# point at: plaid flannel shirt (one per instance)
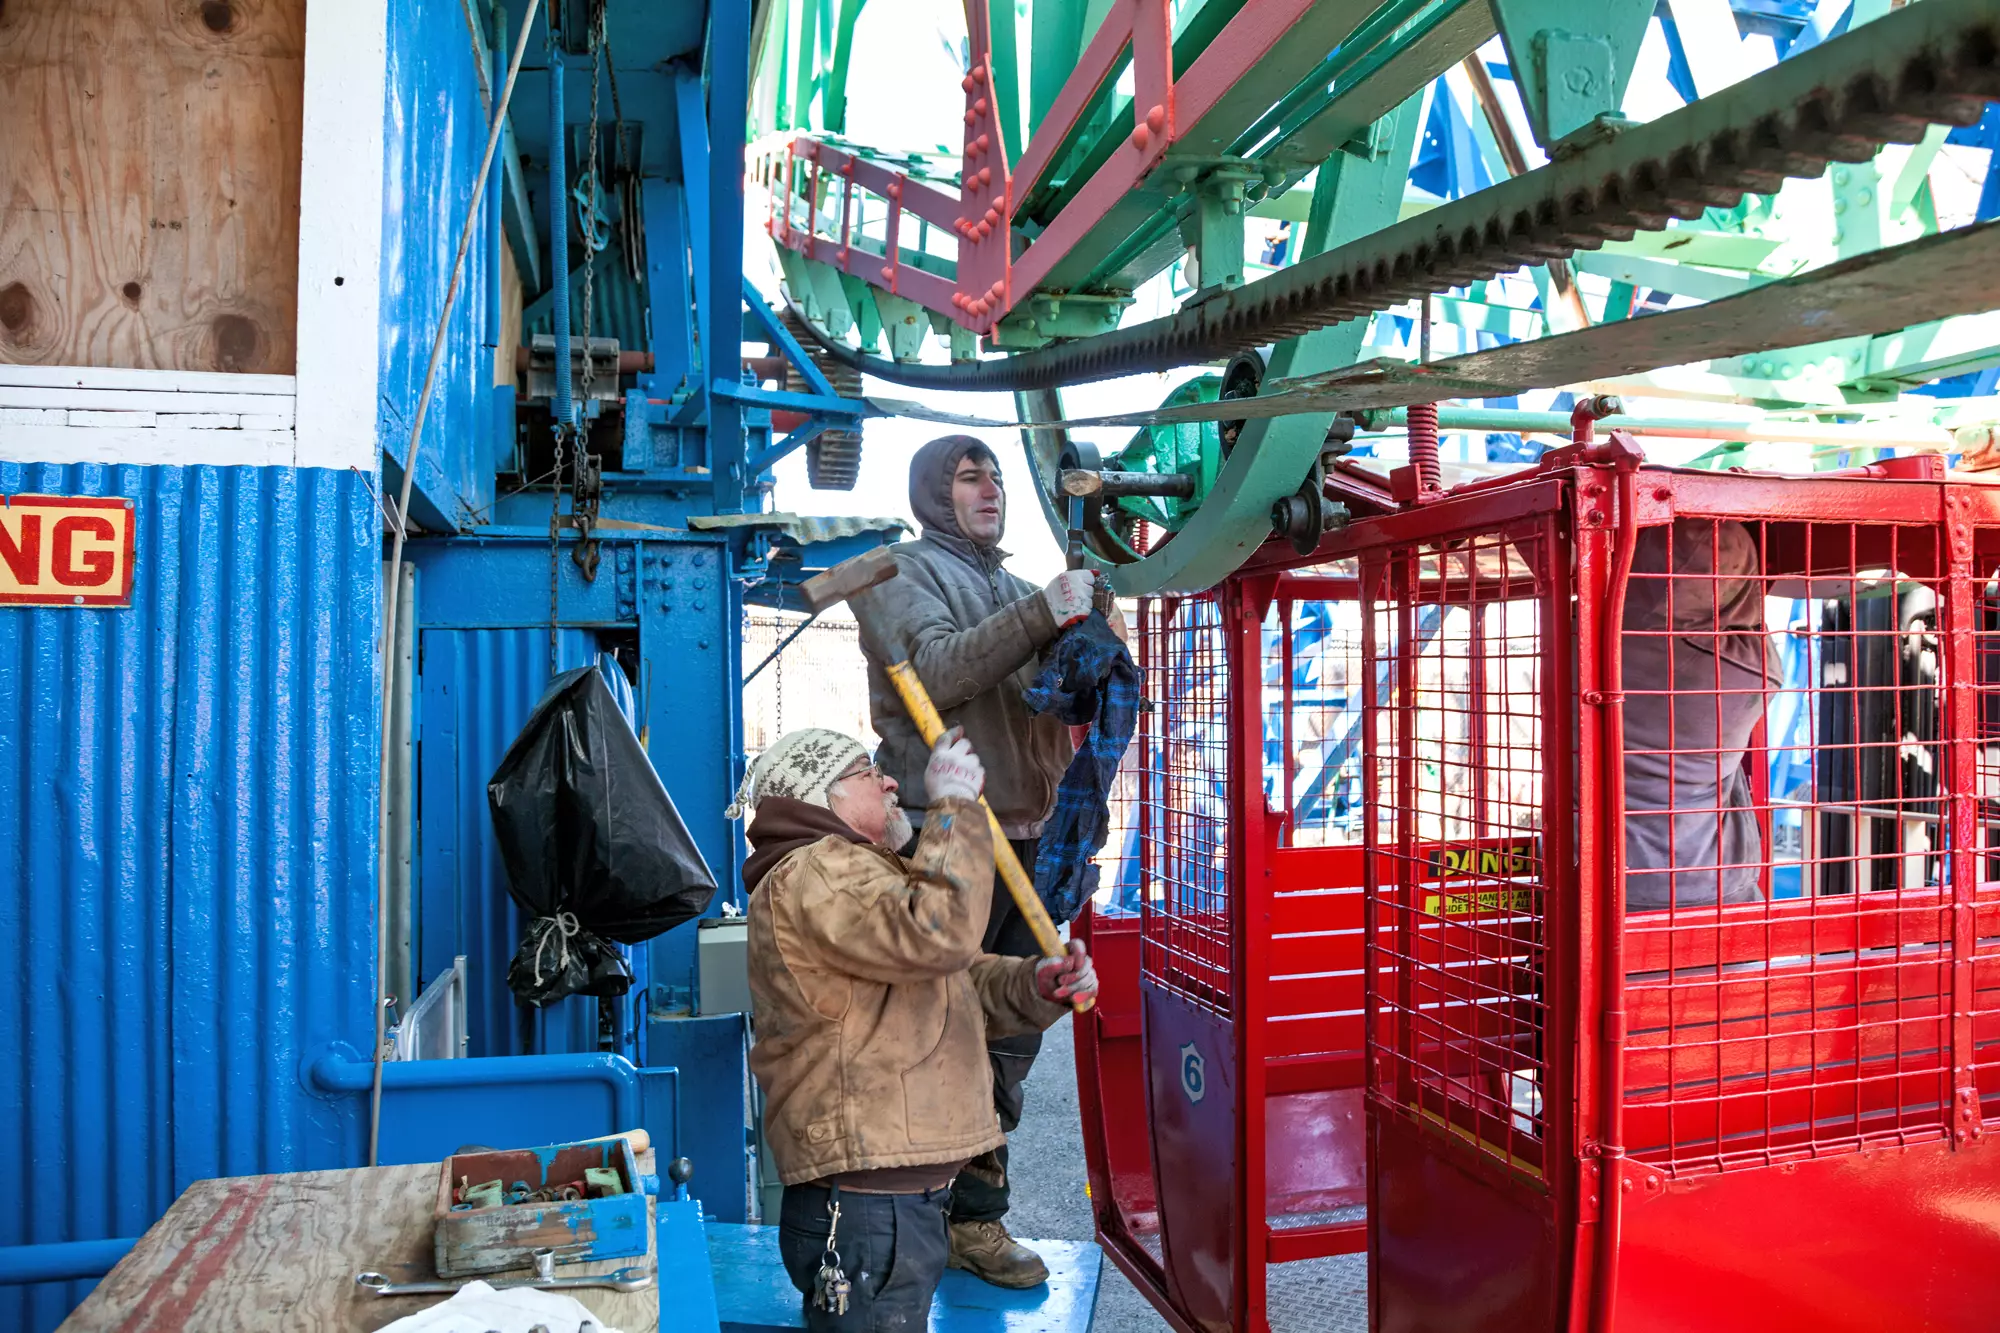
(1088, 677)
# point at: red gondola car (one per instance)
(1651, 977)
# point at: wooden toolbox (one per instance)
(489, 1239)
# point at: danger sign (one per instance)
(65, 550)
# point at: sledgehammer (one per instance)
(842, 583)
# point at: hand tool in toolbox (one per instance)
(574, 1202)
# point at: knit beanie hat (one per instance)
(801, 765)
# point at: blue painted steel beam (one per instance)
(722, 319)
(792, 443)
(754, 395)
(495, 583)
(693, 125)
(558, 188)
(516, 216)
(782, 339)
(690, 618)
(661, 206)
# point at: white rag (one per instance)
(477, 1308)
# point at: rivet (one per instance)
(1156, 119)
(1141, 137)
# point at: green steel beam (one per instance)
(843, 55)
(1003, 29)
(1055, 45)
(1379, 55)
(1571, 61)
(1139, 237)
(1688, 245)
(1444, 33)
(1356, 193)
(1680, 279)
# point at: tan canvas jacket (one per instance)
(873, 1002)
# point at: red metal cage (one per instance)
(1595, 874)
(1229, 1028)
(1694, 1031)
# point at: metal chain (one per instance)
(589, 224)
(555, 543)
(589, 220)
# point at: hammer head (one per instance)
(849, 577)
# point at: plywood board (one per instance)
(278, 1254)
(149, 183)
(510, 317)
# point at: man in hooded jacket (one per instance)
(873, 1003)
(974, 633)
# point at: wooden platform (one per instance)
(278, 1254)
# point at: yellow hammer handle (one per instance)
(917, 703)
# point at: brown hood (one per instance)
(782, 826)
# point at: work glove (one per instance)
(1069, 594)
(1062, 980)
(954, 770)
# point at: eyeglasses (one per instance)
(871, 771)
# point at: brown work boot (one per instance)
(985, 1250)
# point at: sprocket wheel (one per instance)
(833, 457)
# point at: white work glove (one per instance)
(1069, 594)
(954, 770)
(1062, 980)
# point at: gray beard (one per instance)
(897, 831)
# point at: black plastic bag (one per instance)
(593, 846)
(559, 958)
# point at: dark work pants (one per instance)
(980, 1192)
(892, 1248)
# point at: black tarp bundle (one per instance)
(594, 849)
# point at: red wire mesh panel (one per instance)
(1455, 634)
(1315, 691)
(1789, 951)
(1184, 801)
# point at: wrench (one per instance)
(624, 1279)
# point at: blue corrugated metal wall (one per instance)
(434, 137)
(478, 687)
(187, 822)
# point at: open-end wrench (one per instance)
(624, 1279)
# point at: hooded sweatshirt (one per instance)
(974, 633)
(782, 826)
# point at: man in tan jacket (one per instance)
(873, 1006)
